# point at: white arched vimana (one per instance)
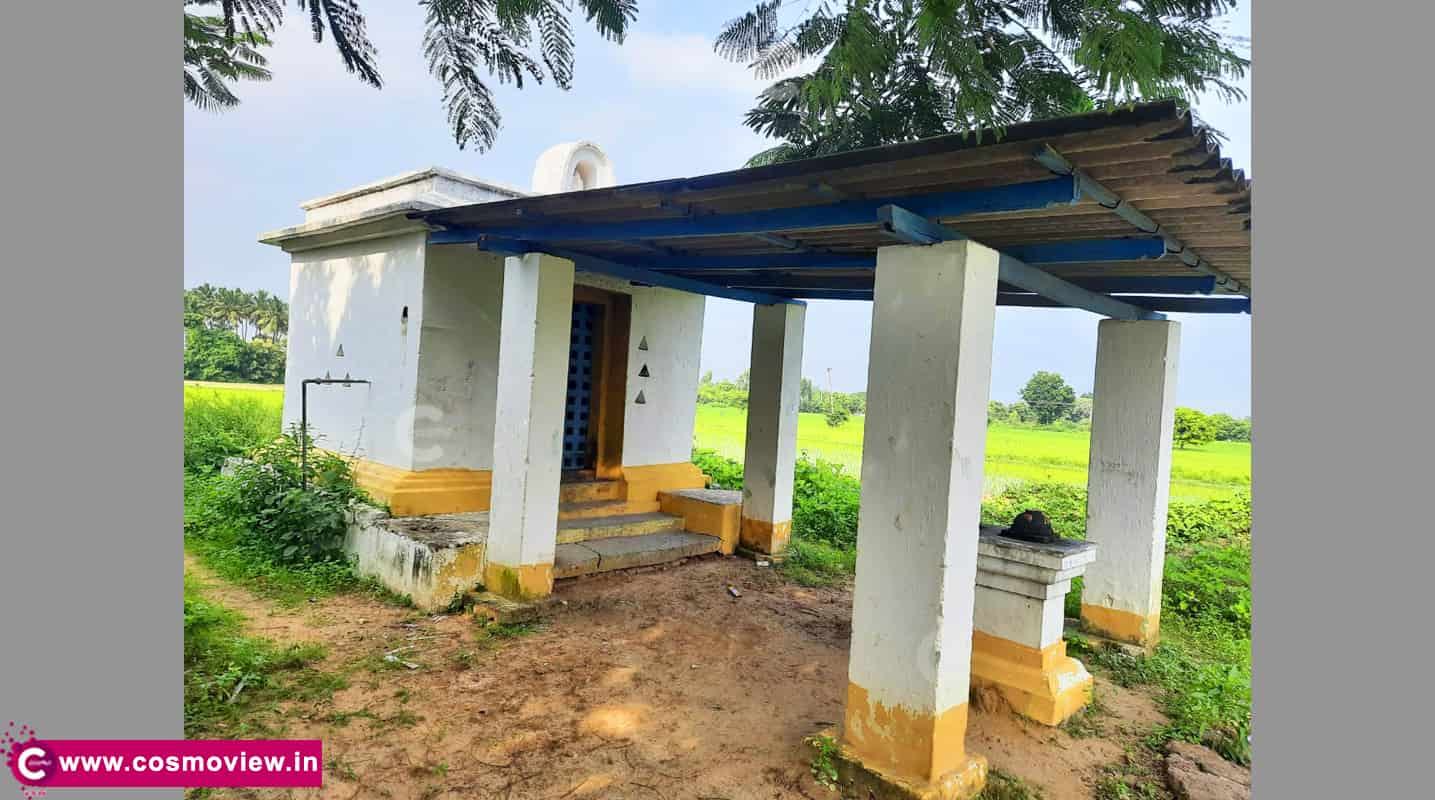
(571, 167)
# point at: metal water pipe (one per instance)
(304, 420)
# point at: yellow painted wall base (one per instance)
(645, 482)
(723, 520)
(765, 537)
(1123, 626)
(1042, 685)
(420, 493)
(524, 582)
(915, 746)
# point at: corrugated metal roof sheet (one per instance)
(1152, 155)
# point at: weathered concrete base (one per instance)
(432, 560)
(1143, 631)
(763, 536)
(1046, 686)
(861, 782)
(715, 512)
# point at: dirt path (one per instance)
(650, 684)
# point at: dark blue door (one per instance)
(578, 410)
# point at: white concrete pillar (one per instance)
(528, 424)
(922, 458)
(774, 397)
(1129, 477)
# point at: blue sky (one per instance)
(662, 105)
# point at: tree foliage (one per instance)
(234, 336)
(1049, 397)
(885, 71)
(466, 43)
(1192, 428)
(214, 57)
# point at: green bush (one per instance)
(824, 503)
(1064, 505)
(723, 472)
(1222, 518)
(296, 524)
(217, 427)
(836, 416)
(1209, 582)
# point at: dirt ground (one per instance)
(653, 683)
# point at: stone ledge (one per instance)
(715, 512)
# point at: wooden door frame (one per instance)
(605, 430)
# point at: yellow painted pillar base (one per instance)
(425, 492)
(526, 582)
(761, 536)
(1046, 685)
(1123, 626)
(899, 753)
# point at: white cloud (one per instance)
(686, 61)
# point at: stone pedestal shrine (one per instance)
(1017, 644)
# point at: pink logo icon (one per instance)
(30, 760)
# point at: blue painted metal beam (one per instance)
(1081, 250)
(1089, 250)
(1225, 304)
(765, 262)
(912, 226)
(1196, 284)
(1181, 305)
(1015, 197)
(585, 262)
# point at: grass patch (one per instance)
(810, 563)
(493, 634)
(1005, 786)
(1136, 777)
(1203, 671)
(234, 684)
(1089, 721)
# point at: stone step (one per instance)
(603, 508)
(590, 491)
(583, 529)
(623, 552)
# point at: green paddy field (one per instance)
(1013, 453)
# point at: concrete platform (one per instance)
(715, 512)
(584, 529)
(430, 559)
(624, 552)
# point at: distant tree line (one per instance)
(234, 336)
(1047, 400)
(836, 406)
